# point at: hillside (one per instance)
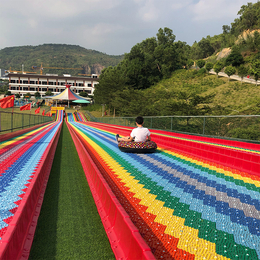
(56, 55)
(227, 98)
(189, 92)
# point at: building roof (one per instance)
(51, 76)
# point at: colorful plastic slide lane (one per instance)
(75, 118)
(81, 117)
(184, 207)
(71, 117)
(239, 155)
(25, 163)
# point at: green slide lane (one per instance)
(69, 226)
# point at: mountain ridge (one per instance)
(58, 56)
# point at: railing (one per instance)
(12, 121)
(90, 116)
(239, 127)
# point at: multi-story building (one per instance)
(3, 74)
(30, 83)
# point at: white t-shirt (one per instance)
(140, 134)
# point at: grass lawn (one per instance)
(69, 226)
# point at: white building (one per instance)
(31, 83)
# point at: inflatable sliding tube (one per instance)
(125, 239)
(184, 208)
(25, 166)
(237, 155)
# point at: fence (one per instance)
(11, 121)
(239, 127)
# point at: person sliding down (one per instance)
(139, 134)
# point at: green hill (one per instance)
(189, 92)
(180, 95)
(56, 55)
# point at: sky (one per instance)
(111, 26)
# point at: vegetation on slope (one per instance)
(188, 92)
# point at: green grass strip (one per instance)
(225, 244)
(69, 226)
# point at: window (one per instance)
(89, 85)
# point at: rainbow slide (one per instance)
(78, 117)
(25, 163)
(82, 117)
(196, 198)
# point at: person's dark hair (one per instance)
(139, 120)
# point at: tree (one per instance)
(209, 66)
(226, 29)
(37, 94)
(48, 93)
(257, 39)
(249, 18)
(229, 70)
(8, 93)
(218, 67)
(201, 63)
(253, 41)
(255, 70)
(235, 58)
(83, 94)
(190, 63)
(165, 52)
(191, 104)
(225, 34)
(155, 58)
(4, 87)
(17, 95)
(242, 72)
(111, 80)
(206, 48)
(182, 50)
(28, 95)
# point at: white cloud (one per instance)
(176, 5)
(216, 9)
(111, 26)
(103, 29)
(32, 23)
(147, 10)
